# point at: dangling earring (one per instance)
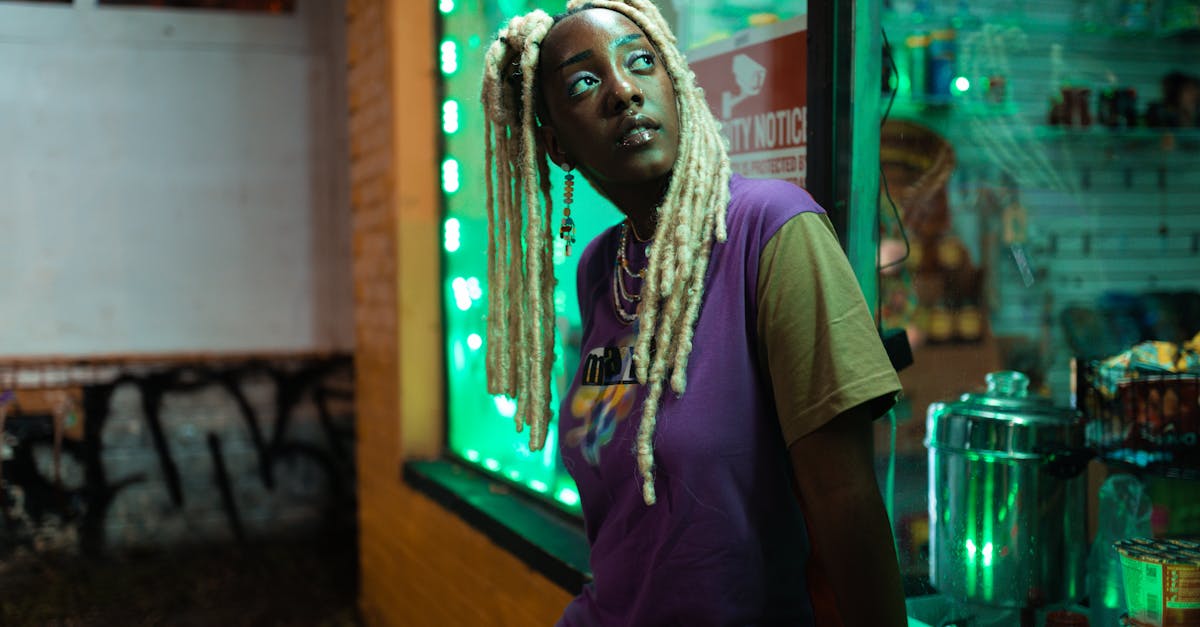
(567, 231)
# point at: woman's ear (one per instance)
(554, 149)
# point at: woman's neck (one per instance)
(640, 203)
(643, 230)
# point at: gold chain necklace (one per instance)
(621, 294)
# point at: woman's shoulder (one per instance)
(763, 206)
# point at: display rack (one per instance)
(1142, 418)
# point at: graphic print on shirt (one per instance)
(606, 394)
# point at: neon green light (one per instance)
(540, 486)
(450, 117)
(989, 532)
(449, 57)
(491, 464)
(568, 496)
(462, 293)
(474, 342)
(505, 405)
(962, 84)
(450, 175)
(473, 455)
(973, 529)
(446, 6)
(452, 235)
(460, 357)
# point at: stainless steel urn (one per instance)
(1006, 497)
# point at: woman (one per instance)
(745, 495)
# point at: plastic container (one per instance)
(1125, 510)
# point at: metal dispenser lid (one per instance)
(1003, 422)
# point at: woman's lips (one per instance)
(636, 130)
(637, 137)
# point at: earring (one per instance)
(567, 231)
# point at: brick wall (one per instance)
(420, 564)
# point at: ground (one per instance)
(309, 582)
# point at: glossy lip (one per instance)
(640, 137)
(635, 130)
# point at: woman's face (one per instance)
(609, 102)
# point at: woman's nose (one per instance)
(625, 94)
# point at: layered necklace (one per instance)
(623, 297)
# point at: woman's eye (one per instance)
(581, 84)
(641, 61)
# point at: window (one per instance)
(1047, 195)
(480, 425)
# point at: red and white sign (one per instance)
(756, 84)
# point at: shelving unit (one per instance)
(1072, 182)
(1166, 141)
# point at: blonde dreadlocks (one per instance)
(520, 350)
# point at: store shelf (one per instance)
(906, 107)
(899, 25)
(1103, 138)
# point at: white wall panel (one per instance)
(172, 181)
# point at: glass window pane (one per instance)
(1042, 162)
(481, 428)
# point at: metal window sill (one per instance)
(542, 539)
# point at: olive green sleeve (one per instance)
(816, 338)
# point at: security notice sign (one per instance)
(756, 84)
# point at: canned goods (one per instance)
(1118, 107)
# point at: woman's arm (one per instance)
(848, 529)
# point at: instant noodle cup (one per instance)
(1162, 581)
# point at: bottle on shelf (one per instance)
(917, 45)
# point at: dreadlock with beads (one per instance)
(691, 217)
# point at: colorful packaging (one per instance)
(1148, 399)
(1162, 581)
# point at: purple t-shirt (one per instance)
(725, 543)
